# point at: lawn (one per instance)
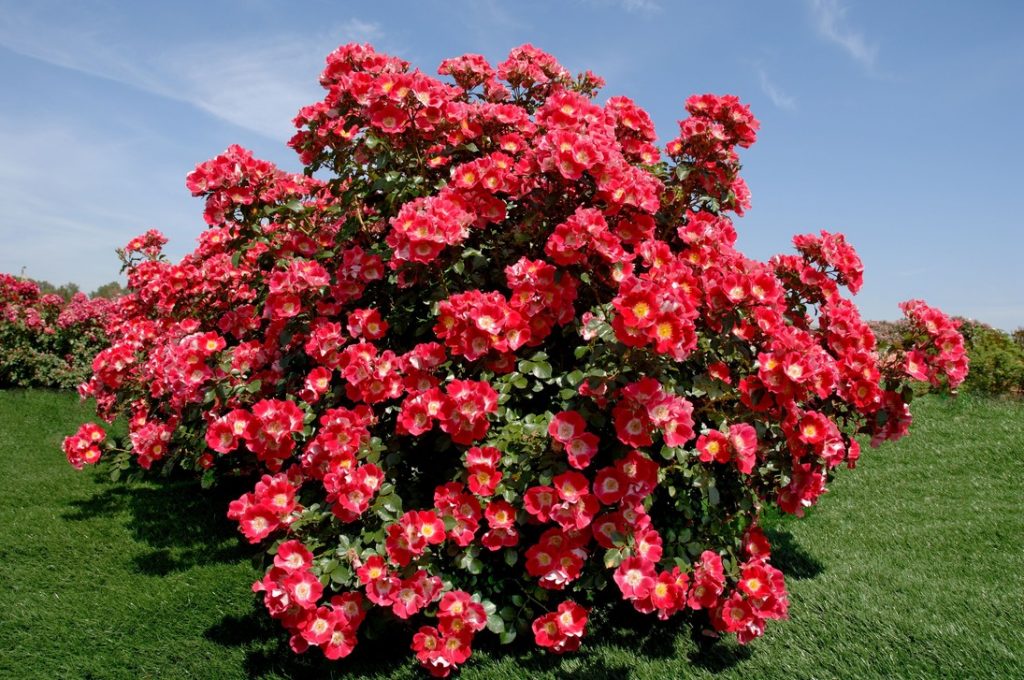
(912, 567)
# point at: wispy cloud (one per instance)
(256, 84)
(778, 97)
(76, 186)
(63, 225)
(639, 5)
(630, 5)
(830, 22)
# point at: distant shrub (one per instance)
(1018, 337)
(997, 359)
(45, 340)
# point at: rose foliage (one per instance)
(494, 359)
(46, 341)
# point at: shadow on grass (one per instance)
(183, 525)
(618, 627)
(268, 653)
(716, 655)
(787, 555)
(387, 655)
(686, 635)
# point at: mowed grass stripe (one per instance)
(913, 567)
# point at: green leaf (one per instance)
(541, 370)
(507, 637)
(495, 624)
(341, 574)
(208, 479)
(612, 558)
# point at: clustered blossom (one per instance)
(939, 355)
(292, 592)
(561, 630)
(269, 506)
(84, 446)
(494, 360)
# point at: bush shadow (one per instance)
(787, 555)
(714, 654)
(622, 626)
(388, 655)
(690, 636)
(184, 525)
(619, 626)
(269, 655)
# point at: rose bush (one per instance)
(494, 359)
(996, 359)
(46, 341)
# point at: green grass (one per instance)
(913, 567)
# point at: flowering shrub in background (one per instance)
(996, 357)
(46, 341)
(494, 359)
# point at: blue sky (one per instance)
(895, 123)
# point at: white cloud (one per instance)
(630, 5)
(778, 97)
(639, 5)
(257, 83)
(830, 22)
